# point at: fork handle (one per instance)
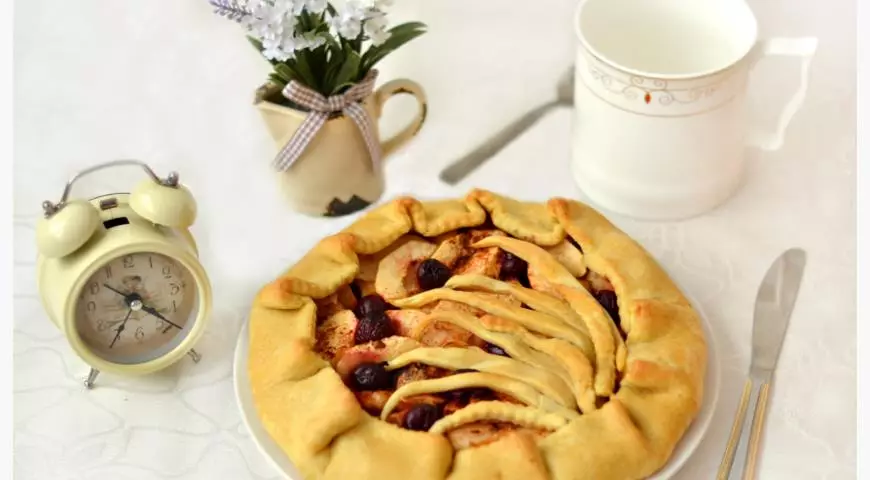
(741, 452)
(459, 169)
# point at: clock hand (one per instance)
(115, 290)
(148, 310)
(157, 314)
(120, 329)
(108, 325)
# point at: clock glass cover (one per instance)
(136, 308)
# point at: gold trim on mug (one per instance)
(665, 115)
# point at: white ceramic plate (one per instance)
(279, 460)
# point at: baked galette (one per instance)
(481, 338)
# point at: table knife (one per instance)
(773, 306)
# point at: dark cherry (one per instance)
(357, 293)
(524, 281)
(371, 304)
(432, 274)
(513, 266)
(374, 326)
(607, 299)
(372, 376)
(421, 417)
(495, 350)
(465, 395)
(481, 394)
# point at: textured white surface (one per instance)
(167, 82)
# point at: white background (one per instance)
(170, 83)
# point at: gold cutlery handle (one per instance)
(741, 452)
(755, 438)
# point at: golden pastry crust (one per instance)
(650, 375)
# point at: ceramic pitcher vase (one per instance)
(335, 174)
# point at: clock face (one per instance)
(136, 308)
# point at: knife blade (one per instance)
(773, 307)
(774, 304)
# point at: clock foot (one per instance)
(92, 377)
(194, 355)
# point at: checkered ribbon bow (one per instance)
(348, 103)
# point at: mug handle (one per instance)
(792, 47)
(387, 91)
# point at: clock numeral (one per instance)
(92, 306)
(140, 334)
(128, 261)
(174, 307)
(94, 288)
(101, 326)
(174, 289)
(167, 273)
(168, 327)
(150, 263)
(108, 272)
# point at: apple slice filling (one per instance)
(360, 331)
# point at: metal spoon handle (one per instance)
(465, 165)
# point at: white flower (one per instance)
(311, 40)
(378, 5)
(273, 48)
(376, 29)
(316, 6)
(290, 44)
(296, 6)
(260, 22)
(348, 21)
(273, 22)
(382, 4)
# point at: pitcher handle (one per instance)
(792, 47)
(387, 91)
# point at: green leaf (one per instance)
(316, 59)
(331, 41)
(399, 36)
(285, 72)
(335, 57)
(256, 43)
(303, 68)
(349, 71)
(335, 64)
(356, 44)
(277, 79)
(408, 26)
(338, 88)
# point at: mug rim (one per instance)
(578, 9)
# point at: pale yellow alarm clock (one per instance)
(119, 275)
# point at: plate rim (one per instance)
(679, 457)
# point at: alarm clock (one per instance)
(119, 274)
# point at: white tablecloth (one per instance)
(172, 84)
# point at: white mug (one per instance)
(660, 123)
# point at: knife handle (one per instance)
(745, 433)
(755, 438)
